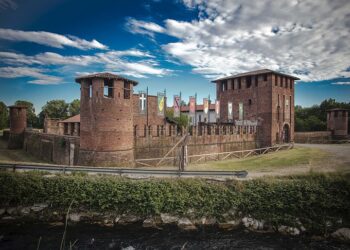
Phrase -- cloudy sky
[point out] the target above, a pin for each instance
(174, 45)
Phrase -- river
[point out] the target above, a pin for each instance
(86, 236)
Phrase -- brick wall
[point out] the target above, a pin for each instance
(313, 137)
(57, 149)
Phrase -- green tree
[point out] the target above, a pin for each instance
(4, 116)
(181, 121)
(55, 109)
(315, 118)
(32, 119)
(74, 107)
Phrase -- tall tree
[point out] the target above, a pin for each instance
(4, 116)
(56, 109)
(74, 107)
(32, 119)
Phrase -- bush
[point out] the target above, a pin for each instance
(316, 200)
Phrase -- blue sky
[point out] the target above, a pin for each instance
(174, 45)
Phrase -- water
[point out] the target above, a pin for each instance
(26, 236)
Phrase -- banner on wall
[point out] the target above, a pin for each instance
(230, 111)
(217, 109)
(142, 102)
(240, 110)
(177, 102)
(206, 106)
(192, 105)
(161, 104)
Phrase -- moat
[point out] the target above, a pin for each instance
(86, 236)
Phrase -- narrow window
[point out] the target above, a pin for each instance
(145, 130)
(335, 113)
(265, 77)
(149, 130)
(281, 81)
(256, 81)
(90, 91)
(276, 80)
(233, 84)
(126, 90)
(108, 88)
(250, 102)
(286, 83)
(135, 130)
(249, 81)
(291, 83)
(239, 83)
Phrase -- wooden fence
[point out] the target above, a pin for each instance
(200, 158)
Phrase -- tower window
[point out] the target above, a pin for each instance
(239, 83)
(291, 83)
(276, 80)
(224, 86)
(249, 81)
(108, 88)
(90, 90)
(256, 81)
(127, 90)
(265, 77)
(250, 102)
(281, 81)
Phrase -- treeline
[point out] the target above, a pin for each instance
(52, 109)
(315, 118)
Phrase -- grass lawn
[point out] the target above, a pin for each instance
(282, 159)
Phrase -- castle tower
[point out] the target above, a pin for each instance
(106, 120)
(18, 123)
(337, 122)
(262, 97)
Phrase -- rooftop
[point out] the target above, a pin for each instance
(337, 109)
(104, 75)
(253, 73)
(75, 118)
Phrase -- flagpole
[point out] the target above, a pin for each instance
(209, 109)
(195, 110)
(180, 103)
(147, 106)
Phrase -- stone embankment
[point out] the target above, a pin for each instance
(232, 220)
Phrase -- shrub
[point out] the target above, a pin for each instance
(316, 200)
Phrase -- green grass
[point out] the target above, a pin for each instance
(282, 159)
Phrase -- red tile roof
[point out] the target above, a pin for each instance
(72, 119)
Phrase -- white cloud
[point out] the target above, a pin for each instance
(114, 61)
(37, 74)
(341, 83)
(50, 39)
(141, 27)
(308, 39)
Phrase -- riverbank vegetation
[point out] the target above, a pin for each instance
(320, 202)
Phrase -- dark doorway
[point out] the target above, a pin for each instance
(286, 134)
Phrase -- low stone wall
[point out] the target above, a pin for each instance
(52, 148)
(313, 137)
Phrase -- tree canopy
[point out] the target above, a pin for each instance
(56, 109)
(4, 116)
(315, 118)
(74, 107)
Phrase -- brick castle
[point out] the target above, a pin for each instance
(256, 109)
